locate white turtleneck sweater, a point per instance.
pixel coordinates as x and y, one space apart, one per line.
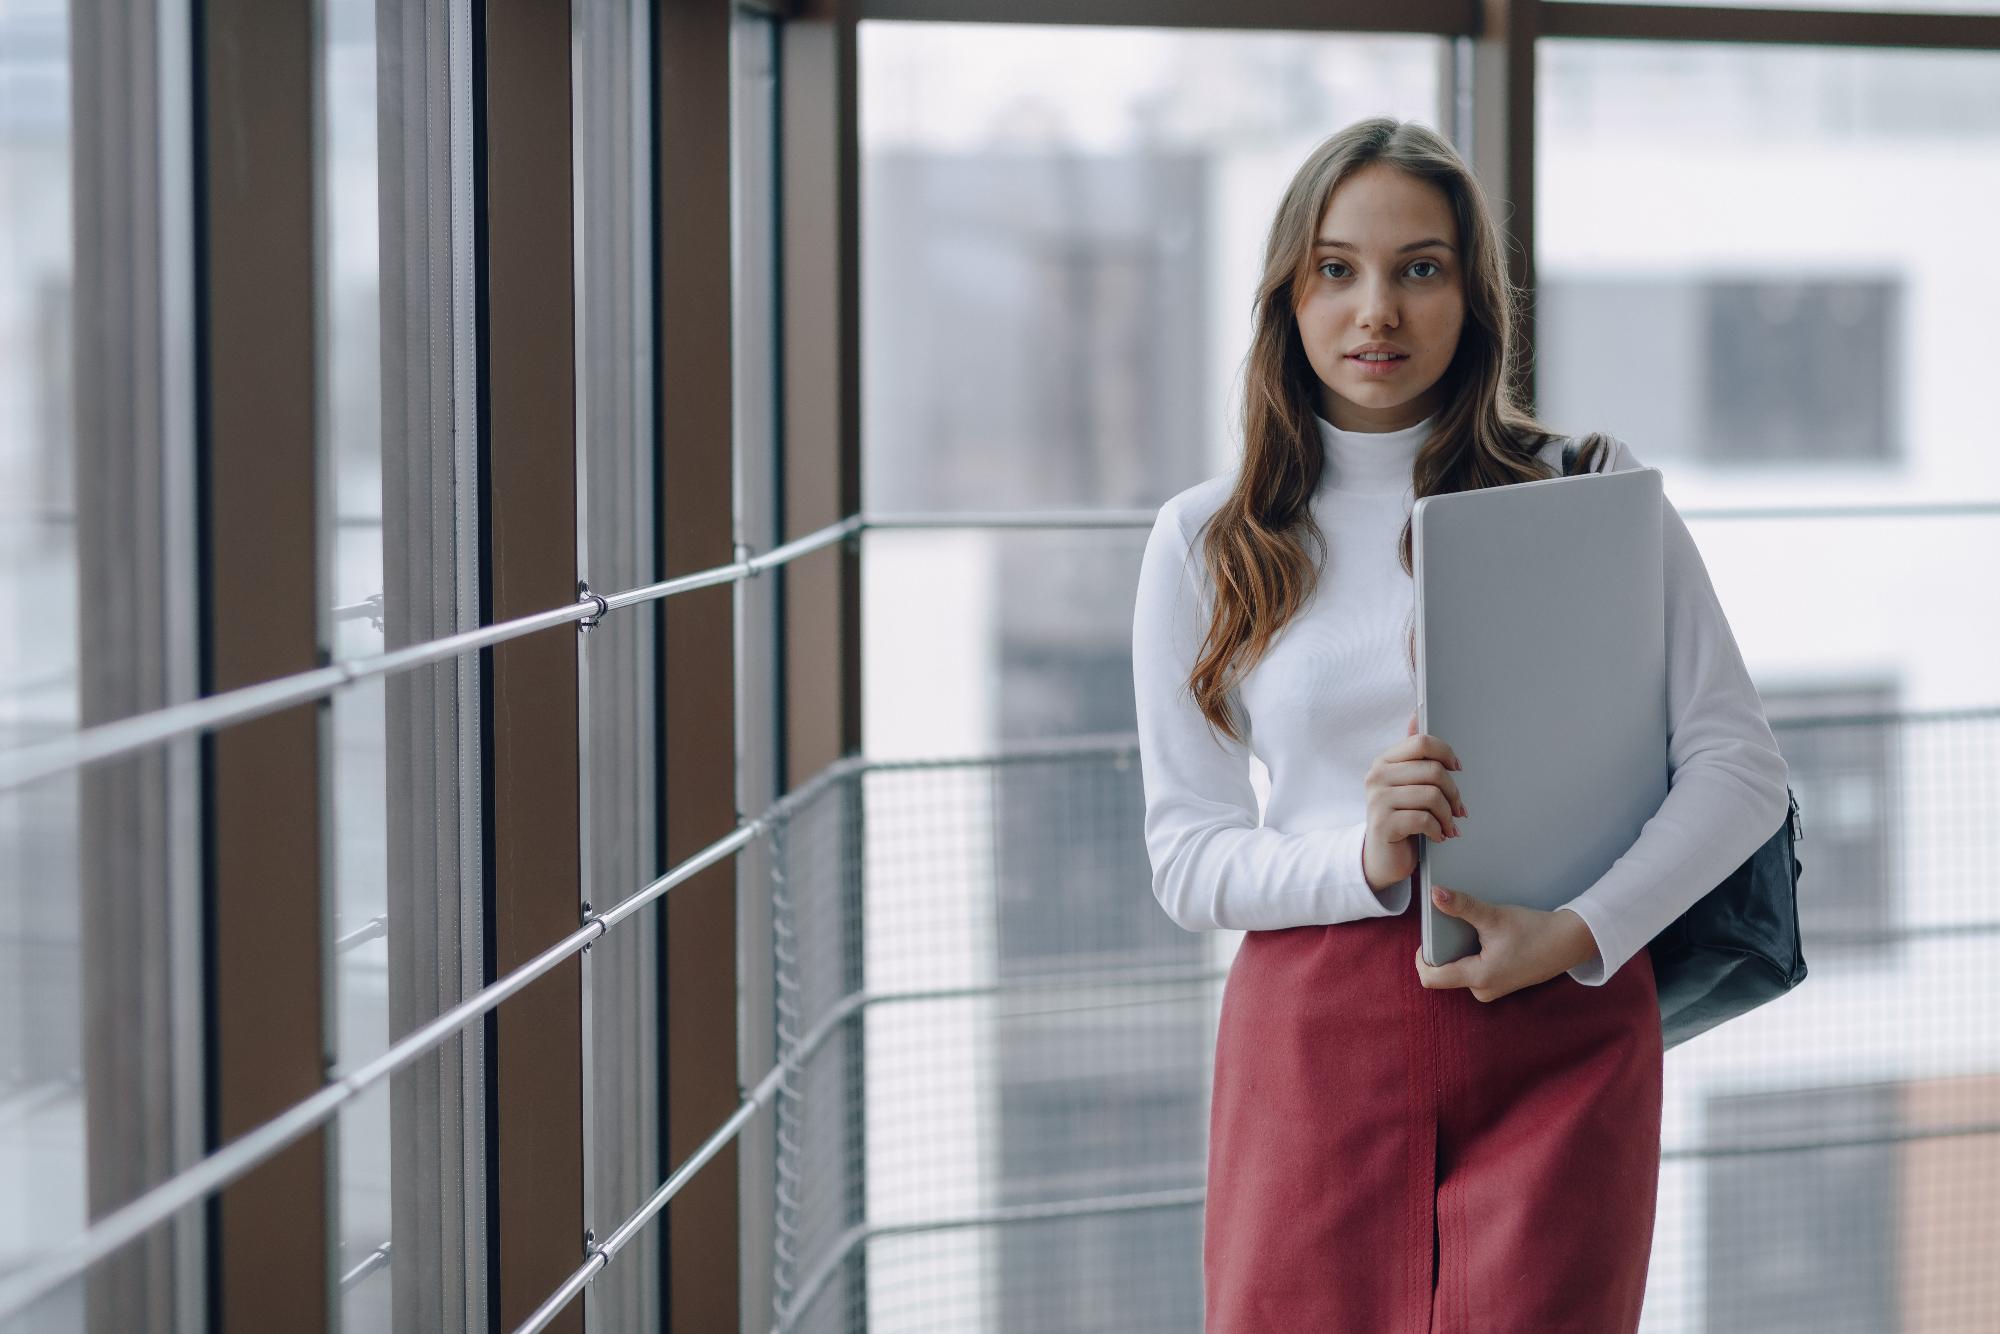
1336 690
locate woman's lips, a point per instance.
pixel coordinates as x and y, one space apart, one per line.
1376 367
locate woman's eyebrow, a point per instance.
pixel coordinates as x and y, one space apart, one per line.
1324 244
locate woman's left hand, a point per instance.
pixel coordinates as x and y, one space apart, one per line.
1518 947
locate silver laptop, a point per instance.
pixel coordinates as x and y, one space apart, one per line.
1541 660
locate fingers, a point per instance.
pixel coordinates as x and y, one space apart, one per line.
1464 907
1412 783
1429 823
1402 824
1421 773
1423 746
1466 972
1419 809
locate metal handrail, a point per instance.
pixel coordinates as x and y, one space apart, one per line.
374 1260
1143 518
125 736
839 1013
24 1287
850 1240
374 928
1188 1197
29 1284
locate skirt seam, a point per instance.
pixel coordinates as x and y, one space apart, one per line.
1434 1059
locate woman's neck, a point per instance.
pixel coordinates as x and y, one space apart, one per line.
1370 462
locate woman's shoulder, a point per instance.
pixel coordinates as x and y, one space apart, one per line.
1188 509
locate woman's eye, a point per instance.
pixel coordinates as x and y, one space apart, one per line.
1334 263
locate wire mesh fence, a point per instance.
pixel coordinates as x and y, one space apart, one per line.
1000 1120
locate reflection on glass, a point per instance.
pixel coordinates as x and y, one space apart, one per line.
358 764
42 1182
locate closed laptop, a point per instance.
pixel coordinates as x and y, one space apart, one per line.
1541 660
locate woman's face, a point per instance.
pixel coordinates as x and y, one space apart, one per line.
1385 269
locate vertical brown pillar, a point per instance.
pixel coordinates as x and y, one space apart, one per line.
698 662
529 517
820 225
1502 133
256 392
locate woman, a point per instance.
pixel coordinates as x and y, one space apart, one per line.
1396 1147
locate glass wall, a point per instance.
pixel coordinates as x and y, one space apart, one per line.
1061 233
1062 229
100 1032
1759 266
42 1150
353 589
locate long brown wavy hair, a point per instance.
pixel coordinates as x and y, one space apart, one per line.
1256 544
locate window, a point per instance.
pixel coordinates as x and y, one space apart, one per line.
1800 371
1802 1243
1850 788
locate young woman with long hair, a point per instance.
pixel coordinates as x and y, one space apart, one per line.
1396 1147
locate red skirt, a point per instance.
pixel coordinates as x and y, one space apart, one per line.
1391 1159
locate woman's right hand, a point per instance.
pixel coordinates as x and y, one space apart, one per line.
1410 791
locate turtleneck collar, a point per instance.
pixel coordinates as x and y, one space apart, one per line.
1370 462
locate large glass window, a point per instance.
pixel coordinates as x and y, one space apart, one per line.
354 438
354 586
1747 263
404 769
1062 229
41 959
100 1044
1753 265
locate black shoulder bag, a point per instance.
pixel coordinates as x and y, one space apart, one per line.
1738 946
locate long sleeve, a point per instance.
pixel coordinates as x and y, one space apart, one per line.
1214 865
1726 783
